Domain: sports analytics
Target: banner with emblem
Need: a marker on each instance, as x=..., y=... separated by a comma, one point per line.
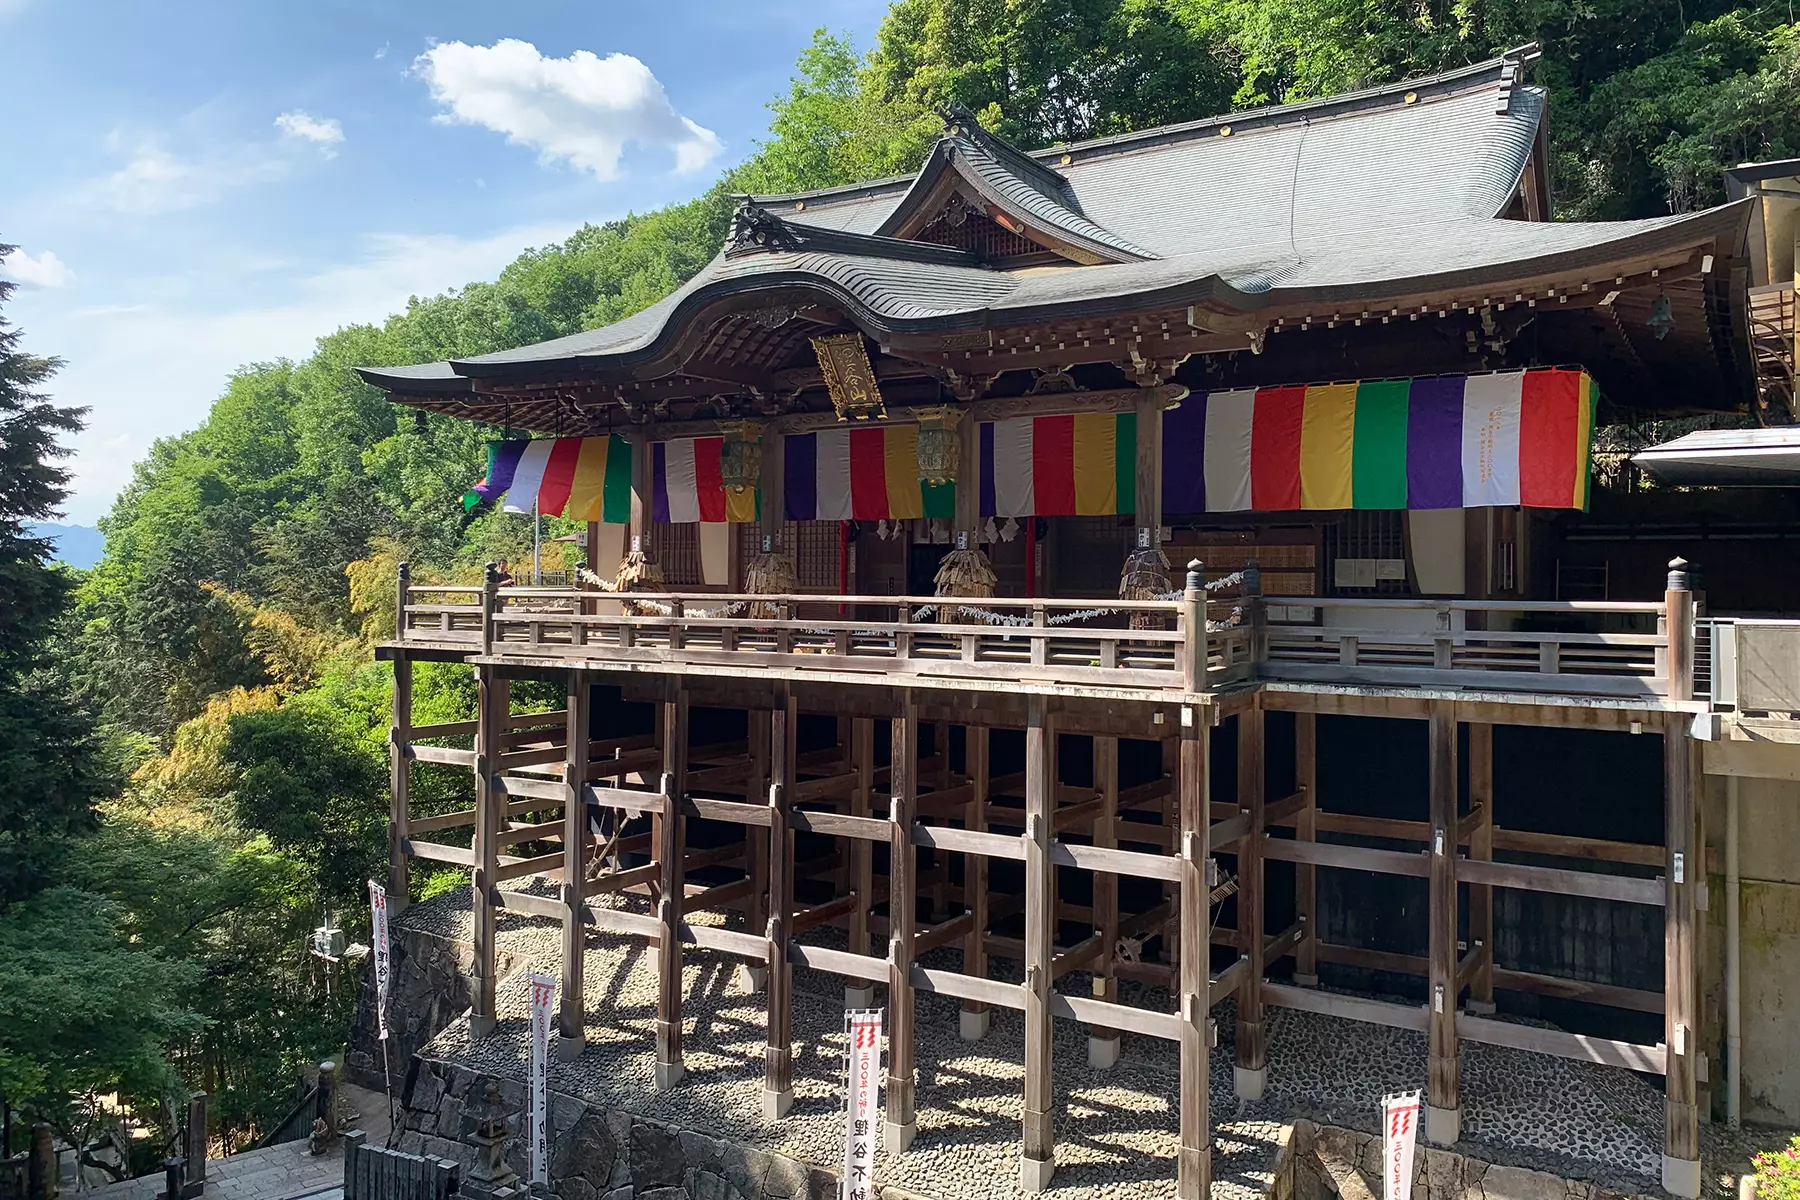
x=543, y=996
x=378, y=933
x=862, y=1036
x=1399, y=1135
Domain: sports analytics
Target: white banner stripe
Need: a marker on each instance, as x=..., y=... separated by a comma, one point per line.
x=1490, y=445
x=1014, y=493
x=530, y=475
x=684, y=495
x=831, y=470
x=1230, y=417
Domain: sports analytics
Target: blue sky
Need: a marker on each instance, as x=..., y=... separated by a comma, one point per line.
x=200, y=185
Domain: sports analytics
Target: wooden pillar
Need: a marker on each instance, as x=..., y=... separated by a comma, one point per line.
x=399, y=780
x=1443, y=1107
x=1682, y=875
x=940, y=884
x=903, y=784
x=638, y=534
x=572, y=1039
x=1103, y=1043
x=1252, y=1071
x=1038, y=1163
x=975, y=1017
x=1193, y=1166
x=1149, y=464
x=778, y=1065
x=1481, y=849
x=492, y=706
x=860, y=993
x=756, y=790
x=671, y=889
x=1306, y=829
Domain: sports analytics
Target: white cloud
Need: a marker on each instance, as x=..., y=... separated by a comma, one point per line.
x=150, y=370
x=582, y=109
x=43, y=270
x=325, y=132
x=383, y=52
x=156, y=181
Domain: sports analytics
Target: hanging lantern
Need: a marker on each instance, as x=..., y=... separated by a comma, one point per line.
x=740, y=459
x=940, y=449
x=844, y=362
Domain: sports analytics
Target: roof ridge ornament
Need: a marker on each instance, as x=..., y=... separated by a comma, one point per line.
x=754, y=228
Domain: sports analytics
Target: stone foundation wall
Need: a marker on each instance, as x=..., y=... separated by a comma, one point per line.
x=605, y=1154
x=1323, y=1162
x=431, y=973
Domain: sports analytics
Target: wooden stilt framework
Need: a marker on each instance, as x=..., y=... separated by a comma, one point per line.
x=548, y=785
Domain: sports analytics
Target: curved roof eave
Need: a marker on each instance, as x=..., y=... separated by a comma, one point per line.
x=662, y=341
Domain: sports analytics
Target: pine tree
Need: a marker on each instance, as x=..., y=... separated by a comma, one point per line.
x=48, y=754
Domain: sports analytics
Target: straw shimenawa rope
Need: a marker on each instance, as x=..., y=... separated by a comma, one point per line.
x=1146, y=577
x=964, y=573
x=770, y=573
x=638, y=572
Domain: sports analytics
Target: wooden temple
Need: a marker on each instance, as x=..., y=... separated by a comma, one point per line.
x=1314, y=386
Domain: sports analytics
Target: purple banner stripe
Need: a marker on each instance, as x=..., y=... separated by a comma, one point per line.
x=800, y=476
x=1184, y=457
x=659, y=483
x=987, y=468
x=1434, y=443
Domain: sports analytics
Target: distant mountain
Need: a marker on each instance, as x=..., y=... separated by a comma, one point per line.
x=76, y=545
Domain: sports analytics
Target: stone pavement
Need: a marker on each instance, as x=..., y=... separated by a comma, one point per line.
x=281, y=1172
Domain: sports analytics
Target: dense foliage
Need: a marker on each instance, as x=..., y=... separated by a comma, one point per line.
x=221, y=646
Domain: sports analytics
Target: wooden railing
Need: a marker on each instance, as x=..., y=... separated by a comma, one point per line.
x=1191, y=644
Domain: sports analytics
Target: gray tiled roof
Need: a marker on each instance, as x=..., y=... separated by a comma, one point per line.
x=1377, y=193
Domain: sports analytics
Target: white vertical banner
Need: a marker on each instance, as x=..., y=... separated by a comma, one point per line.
x=378, y=933
x=543, y=996
x=862, y=1033
x=1399, y=1134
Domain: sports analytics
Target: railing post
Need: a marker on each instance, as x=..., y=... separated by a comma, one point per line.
x=403, y=596
x=1256, y=615
x=194, y=1141
x=490, y=601
x=1193, y=626
x=40, y=1165
x=1040, y=636
x=1678, y=614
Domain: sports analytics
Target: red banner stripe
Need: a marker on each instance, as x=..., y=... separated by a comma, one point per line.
x=1275, y=448
x=1053, y=466
x=709, y=484
x=868, y=474
x=559, y=477
x=1549, y=435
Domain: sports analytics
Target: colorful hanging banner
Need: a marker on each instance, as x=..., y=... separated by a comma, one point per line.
x=867, y=474
x=585, y=479
x=1076, y=465
x=1399, y=1137
x=686, y=484
x=1459, y=441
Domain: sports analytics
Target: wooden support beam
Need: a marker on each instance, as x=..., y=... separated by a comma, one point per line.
x=778, y=1067
x=667, y=832
x=1480, y=840
x=492, y=700
x=1284, y=943
x=828, y=912
x=400, y=737
x=943, y=933
x=1193, y=1164
x=1103, y=1043
x=974, y=1018
x=1681, y=1144
x=571, y=1024
x=1038, y=1162
x=903, y=906
x=1306, y=892
x=756, y=784
x=1471, y=962
x=862, y=758
x=1443, y=1123
x=1252, y=1074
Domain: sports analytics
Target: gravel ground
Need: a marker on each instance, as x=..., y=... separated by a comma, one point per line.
x=1117, y=1129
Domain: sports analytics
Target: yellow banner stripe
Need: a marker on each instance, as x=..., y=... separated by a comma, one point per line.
x=1096, y=464
x=900, y=452
x=587, y=493
x=1327, y=441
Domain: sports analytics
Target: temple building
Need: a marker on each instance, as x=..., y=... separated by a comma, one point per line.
x=1153, y=585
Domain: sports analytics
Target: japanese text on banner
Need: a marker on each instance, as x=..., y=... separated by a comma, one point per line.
x=543, y=995
x=862, y=1028
x=1399, y=1134
x=378, y=933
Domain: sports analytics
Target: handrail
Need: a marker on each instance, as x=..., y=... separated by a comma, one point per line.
x=1389, y=603
x=825, y=598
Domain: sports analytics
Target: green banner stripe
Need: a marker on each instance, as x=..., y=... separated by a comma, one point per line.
x=1125, y=462
x=1378, y=454
x=615, y=491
